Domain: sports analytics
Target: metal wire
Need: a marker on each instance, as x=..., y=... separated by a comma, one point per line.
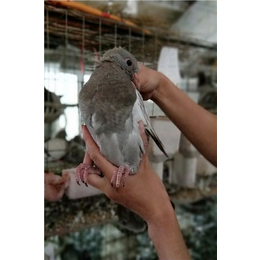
x=47, y=25
x=129, y=39
x=100, y=37
x=115, y=34
x=91, y=33
x=66, y=28
x=83, y=34
x=143, y=47
x=155, y=48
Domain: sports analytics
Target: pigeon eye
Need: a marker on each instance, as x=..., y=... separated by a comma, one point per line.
x=129, y=63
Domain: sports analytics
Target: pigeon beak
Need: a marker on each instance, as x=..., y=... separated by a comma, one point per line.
x=135, y=80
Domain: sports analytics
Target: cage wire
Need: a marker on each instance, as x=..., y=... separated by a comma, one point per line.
x=73, y=41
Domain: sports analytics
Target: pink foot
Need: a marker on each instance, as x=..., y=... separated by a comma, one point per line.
x=82, y=172
x=124, y=170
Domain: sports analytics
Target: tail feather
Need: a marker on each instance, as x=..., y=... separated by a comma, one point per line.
x=130, y=221
x=146, y=120
x=156, y=140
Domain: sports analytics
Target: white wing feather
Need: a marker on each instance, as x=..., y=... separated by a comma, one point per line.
x=141, y=114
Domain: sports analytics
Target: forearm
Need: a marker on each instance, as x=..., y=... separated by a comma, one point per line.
x=167, y=237
x=196, y=123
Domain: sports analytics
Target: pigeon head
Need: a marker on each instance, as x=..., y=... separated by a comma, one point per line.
x=126, y=61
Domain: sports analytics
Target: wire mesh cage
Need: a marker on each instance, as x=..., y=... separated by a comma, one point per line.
x=75, y=40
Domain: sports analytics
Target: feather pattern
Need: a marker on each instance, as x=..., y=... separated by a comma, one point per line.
x=146, y=120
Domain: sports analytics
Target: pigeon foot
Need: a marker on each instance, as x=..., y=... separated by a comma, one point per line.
x=82, y=172
x=123, y=171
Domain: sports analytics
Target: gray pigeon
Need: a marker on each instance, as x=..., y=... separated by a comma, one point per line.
x=111, y=107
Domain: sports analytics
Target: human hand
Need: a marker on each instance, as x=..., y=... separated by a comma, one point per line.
x=144, y=192
x=149, y=81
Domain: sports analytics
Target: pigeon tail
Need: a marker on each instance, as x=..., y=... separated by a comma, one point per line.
x=130, y=221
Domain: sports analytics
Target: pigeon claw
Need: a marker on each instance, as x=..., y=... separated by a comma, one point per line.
x=82, y=172
x=120, y=173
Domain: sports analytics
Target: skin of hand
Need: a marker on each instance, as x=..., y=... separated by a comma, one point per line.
x=149, y=81
x=144, y=194
x=196, y=123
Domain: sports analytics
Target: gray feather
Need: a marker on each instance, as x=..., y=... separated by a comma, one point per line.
x=106, y=103
x=130, y=220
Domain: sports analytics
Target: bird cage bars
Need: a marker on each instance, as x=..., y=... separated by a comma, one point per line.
x=92, y=35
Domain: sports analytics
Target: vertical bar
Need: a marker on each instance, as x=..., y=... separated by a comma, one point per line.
x=48, y=94
x=83, y=47
x=66, y=28
x=80, y=85
x=83, y=34
x=143, y=47
x=115, y=34
x=100, y=25
x=65, y=84
x=48, y=36
x=80, y=75
x=129, y=39
x=155, y=48
x=189, y=69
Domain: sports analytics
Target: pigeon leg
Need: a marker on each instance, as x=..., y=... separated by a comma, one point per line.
x=119, y=176
x=126, y=174
x=124, y=171
x=113, y=178
x=82, y=172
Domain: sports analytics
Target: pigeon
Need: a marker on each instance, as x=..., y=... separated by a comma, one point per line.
x=111, y=107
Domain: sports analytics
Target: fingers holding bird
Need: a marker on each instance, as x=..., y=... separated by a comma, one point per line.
x=93, y=155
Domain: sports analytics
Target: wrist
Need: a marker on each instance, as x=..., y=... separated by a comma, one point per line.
x=164, y=233
x=166, y=236
x=161, y=216
x=159, y=92
x=161, y=224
